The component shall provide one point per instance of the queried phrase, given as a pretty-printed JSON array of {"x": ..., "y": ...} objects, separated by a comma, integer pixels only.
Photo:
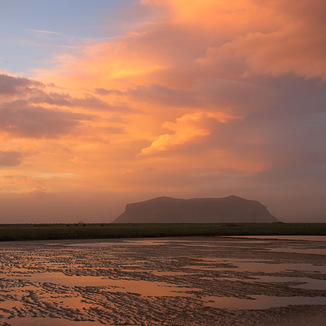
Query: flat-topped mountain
[{"x": 230, "y": 209}]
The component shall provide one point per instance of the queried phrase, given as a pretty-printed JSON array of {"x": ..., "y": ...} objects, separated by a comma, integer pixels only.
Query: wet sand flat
[{"x": 164, "y": 281}]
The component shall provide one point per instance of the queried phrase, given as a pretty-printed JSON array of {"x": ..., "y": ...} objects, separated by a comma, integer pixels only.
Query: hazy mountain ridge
[{"x": 230, "y": 209}]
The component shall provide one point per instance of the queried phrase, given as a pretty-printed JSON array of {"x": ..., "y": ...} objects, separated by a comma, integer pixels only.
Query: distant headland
[{"x": 231, "y": 209}]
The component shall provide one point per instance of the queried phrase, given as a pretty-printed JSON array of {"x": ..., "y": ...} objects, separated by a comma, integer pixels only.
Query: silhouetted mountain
[{"x": 231, "y": 209}]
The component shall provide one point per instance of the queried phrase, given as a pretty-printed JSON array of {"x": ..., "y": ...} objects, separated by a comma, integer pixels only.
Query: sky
[{"x": 107, "y": 102}]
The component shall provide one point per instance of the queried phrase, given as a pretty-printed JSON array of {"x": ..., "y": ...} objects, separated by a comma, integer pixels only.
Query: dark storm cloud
[
  {"x": 34, "y": 92},
  {"x": 167, "y": 96},
  {"x": 59, "y": 99},
  {"x": 15, "y": 85},
  {"x": 62, "y": 99},
  {"x": 10, "y": 158},
  {"x": 93, "y": 103},
  {"x": 21, "y": 119},
  {"x": 105, "y": 92}
]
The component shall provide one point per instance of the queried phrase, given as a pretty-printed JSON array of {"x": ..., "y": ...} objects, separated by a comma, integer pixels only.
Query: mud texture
[{"x": 175, "y": 281}]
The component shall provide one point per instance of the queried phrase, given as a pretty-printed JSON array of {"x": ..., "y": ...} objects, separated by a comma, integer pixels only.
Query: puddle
[
  {"x": 157, "y": 281},
  {"x": 255, "y": 267},
  {"x": 273, "y": 268},
  {"x": 207, "y": 268},
  {"x": 10, "y": 304},
  {"x": 49, "y": 322},
  {"x": 108, "y": 243},
  {"x": 307, "y": 283},
  {"x": 321, "y": 251},
  {"x": 169, "y": 273},
  {"x": 285, "y": 237},
  {"x": 261, "y": 302},
  {"x": 145, "y": 288}
]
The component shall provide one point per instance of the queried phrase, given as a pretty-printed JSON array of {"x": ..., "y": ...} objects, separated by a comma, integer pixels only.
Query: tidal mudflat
[{"x": 164, "y": 281}]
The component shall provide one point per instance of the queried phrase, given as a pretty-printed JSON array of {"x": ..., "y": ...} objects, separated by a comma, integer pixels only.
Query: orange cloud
[
  {"x": 273, "y": 37},
  {"x": 187, "y": 129},
  {"x": 214, "y": 95},
  {"x": 177, "y": 75}
]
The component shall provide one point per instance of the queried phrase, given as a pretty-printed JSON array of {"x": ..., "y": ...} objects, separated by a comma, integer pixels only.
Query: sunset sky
[{"x": 107, "y": 102}]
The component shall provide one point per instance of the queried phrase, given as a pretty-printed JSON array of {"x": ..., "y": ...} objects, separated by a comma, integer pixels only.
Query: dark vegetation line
[{"x": 21, "y": 232}]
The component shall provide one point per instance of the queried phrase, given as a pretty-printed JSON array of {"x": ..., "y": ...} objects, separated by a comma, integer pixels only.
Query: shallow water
[
  {"x": 261, "y": 302},
  {"x": 321, "y": 238},
  {"x": 46, "y": 321},
  {"x": 145, "y": 288},
  {"x": 170, "y": 281},
  {"x": 303, "y": 282}
]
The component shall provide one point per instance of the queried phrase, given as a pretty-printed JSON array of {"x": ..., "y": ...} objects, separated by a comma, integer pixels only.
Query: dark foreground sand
[{"x": 176, "y": 281}]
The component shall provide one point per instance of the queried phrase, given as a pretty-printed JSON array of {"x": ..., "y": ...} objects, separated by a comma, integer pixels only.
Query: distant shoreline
[{"x": 25, "y": 232}]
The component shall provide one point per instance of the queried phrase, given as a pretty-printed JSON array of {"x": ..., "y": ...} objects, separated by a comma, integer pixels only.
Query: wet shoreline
[{"x": 163, "y": 281}]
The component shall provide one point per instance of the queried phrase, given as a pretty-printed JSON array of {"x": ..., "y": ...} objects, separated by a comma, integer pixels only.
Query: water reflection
[
  {"x": 303, "y": 282},
  {"x": 261, "y": 302},
  {"x": 145, "y": 288},
  {"x": 50, "y": 322},
  {"x": 134, "y": 281}
]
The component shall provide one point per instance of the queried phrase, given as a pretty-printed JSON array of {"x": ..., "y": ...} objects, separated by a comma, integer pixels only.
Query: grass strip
[{"x": 22, "y": 232}]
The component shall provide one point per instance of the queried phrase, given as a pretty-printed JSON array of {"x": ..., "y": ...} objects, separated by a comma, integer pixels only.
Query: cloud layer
[
  {"x": 10, "y": 158},
  {"x": 211, "y": 98}
]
